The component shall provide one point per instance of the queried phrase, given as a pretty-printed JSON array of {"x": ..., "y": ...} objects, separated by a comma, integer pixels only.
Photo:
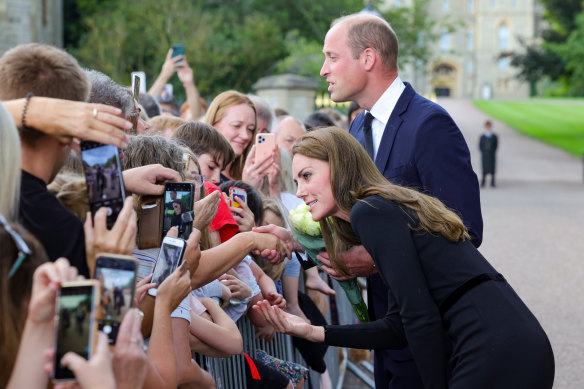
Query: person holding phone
[
  {"x": 448, "y": 296},
  {"x": 177, "y": 62},
  {"x": 234, "y": 115}
]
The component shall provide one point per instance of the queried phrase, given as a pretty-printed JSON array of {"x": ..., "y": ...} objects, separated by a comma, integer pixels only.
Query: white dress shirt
[{"x": 382, "y": 110}]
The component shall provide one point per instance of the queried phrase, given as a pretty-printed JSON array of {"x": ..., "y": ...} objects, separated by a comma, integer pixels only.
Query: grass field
[{"x": 559, "y": 122}]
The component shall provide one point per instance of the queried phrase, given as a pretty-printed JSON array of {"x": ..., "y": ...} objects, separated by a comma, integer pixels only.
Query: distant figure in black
[{"x": 488, "y": 146}]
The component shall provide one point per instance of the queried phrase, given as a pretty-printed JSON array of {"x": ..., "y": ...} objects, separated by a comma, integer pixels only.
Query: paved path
[{"x": 534, "y": 233}]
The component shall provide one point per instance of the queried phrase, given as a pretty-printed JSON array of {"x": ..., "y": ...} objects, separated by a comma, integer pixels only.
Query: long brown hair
[
  {"x": 14, "y": 294},
  {"x": 353, "y": 176},
  {"x": 217, "y": 111}
]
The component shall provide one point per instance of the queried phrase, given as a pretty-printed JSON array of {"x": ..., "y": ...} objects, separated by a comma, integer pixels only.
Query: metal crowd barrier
[{"x": 229, "y": 373}]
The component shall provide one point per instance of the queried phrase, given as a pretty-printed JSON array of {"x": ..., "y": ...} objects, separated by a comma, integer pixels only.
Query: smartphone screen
[
  {"x": 117, "y": 278},
  {"x": 75, "y": 330},
  {"x": 178, "y": 208},
  {"x": 170, "y": 256},
  {"x": 103, "y": 176}
]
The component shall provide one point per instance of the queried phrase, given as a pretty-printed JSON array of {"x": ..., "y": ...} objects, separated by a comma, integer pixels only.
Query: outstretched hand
[{"x": 286, "y": 323}]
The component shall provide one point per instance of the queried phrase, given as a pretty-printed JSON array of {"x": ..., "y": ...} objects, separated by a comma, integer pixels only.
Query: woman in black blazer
[{"x": 465, "y": 325}]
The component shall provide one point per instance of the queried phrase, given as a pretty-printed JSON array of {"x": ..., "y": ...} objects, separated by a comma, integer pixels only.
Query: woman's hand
[
  {"x": 206, "y": 210},
  {"x": 66, "y": 120},
  {"x": 129, "y": 361},
  {"x": 244, "y": 217},
  {"x": 239, "y": 289},
  {"x": 121, "y": 239},
  {"x": 142, "y": 288},
  {"x": 47, "y": 280},
  {"x": 175, "y": 287},
  {"x": 97, "y": 372},
  {"x": 289, "y": 324},
  {"x": 255, "y": 171}
]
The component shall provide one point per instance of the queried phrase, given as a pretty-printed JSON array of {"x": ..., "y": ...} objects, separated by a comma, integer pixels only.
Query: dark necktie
[{"x": 367, "y": 134}]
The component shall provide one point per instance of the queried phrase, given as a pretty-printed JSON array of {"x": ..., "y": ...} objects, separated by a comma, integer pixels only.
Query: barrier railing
[{"x": 229, "y": 373}]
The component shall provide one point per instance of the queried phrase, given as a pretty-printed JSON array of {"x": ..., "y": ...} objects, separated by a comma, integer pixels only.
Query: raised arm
[{"x": 65, "y": 120}]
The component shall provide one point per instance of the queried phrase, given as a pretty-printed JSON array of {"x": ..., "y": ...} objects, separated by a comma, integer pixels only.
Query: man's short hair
[
  {"x": 150, "y": 105},
  {"x": 44, "y": 71},
  {"x": 369, "y": 31},
  {"x": 106, "y": 91},
  {"x": 280, "y": 119},
  {"x": 318, "y": 119},
  {"x": 264, "y": 111}
]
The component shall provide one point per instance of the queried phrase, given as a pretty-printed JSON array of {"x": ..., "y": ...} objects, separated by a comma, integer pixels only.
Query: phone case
[
  {"x": 236, "y": 193},
  {"x": 265, "y": 144},
  {"x": 150, "y": 222}
]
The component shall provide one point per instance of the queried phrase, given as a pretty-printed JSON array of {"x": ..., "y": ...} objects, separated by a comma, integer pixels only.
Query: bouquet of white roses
[{"x": 307, "y": 232}]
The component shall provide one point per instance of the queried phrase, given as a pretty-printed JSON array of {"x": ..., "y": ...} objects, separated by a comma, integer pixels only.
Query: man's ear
[{"x": 369, "y": 58}]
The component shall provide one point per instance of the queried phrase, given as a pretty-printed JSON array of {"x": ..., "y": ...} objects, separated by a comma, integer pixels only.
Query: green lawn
[{"x": 559, "y": 122}]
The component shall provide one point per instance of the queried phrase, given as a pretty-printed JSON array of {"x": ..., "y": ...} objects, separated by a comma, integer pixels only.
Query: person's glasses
[{"x": 23, "y": 249}]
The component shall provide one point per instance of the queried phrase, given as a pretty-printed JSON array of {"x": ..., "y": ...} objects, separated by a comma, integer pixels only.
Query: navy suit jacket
[{"x": 423, "y": 149}]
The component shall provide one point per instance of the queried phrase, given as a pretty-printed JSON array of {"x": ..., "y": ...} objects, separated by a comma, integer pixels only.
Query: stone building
[
  {"x": 466, "y": 62},
  {"x": 25, "y": 21}
]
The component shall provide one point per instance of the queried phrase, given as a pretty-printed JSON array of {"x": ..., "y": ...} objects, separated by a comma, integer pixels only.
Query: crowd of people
[{"x": 391, "y": 186}]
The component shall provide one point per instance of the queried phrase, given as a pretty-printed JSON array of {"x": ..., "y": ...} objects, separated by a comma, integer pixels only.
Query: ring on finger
[
  {"x": 136, "y": 340},
  {"x": 95, "y": 112}
]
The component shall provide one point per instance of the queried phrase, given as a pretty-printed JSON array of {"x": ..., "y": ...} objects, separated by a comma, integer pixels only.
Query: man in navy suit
[{"x": 414, "y": 143}]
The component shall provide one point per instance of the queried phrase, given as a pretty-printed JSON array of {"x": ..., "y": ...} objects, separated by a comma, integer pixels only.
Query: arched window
[
  {"x": 445, "y": 43},
  {"x": 470, "y": 5},
  {"x": 503, "y": 37},
  {"x": 470, "y": 39},
  {"x": 444, "y": 69},
  {"x": 444, "y": 5}
]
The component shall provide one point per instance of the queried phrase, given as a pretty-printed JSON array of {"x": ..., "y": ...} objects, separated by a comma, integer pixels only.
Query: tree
[
  {"x": 226, "y": 50},
  {"x": 412, "y": 25},
  {"x": 572, "y": 53}
]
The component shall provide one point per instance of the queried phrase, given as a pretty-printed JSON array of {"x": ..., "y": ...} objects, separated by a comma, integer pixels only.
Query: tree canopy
[{"x": 230, "y": 44}]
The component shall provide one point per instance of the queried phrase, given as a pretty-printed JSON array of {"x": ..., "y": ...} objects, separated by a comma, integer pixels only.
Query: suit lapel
[{"x": 393, "y": 125}]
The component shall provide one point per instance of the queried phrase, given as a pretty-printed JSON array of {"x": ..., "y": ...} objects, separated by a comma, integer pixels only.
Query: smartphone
[
  {"x": 177, "y": 50},
  {"x": 117, "y": 279},
  {"x": 237, "y": 196},
  {"x": 178, "y": 208},
  {"x": 136, "y": 87},
  {"x": 103, "y": 177},
  {"x": 265, "y": 144},
  {"x": 169, "y": 258},
  {"x": 142, "y": 76},
  {"x": 75, "y": 324}
]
